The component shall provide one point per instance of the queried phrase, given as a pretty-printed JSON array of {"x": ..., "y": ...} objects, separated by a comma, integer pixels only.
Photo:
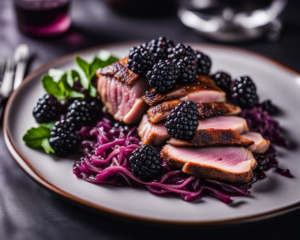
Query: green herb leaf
[
  {"x": 106, "y": 57},
  {"x": 49, "y": 125},
  {"x": 34, "y": 136},
  {"x": 45, "y": 144},
  {"x": 94, "y": 66},
  {"x": 83, "y": 65},
  {"x": 56, "y": 74},
  {"x": 74, "y": 94},
  {"x": 52, "y": 88},
  {"x": 69, "y": 92},
  {"x": 72, "y": 76},
  {"x": 39, "y": 137},
  {"x": 85, "y": 82},
  {"x": 93, "y": 91}
]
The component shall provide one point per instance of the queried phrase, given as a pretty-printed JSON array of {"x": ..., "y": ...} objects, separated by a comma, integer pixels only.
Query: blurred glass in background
[
  {"x": 233, "y": 20},
  {"x": 43, "y": 17}
]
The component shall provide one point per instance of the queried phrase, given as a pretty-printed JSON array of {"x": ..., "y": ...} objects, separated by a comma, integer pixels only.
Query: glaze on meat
[
  {"x": 213, "y": 138},
  {"x": 206, "y": 110},
  {"x": 202, "y": 90}
]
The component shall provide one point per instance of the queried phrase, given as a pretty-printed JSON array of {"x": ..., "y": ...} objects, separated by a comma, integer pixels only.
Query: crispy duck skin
[
  {"x": 121, "y": 90},
  {"x": 203, "y": 89},
  {"x": 230, "y": 164},
  {"x": 213, "y": 138},
  {"x": 119, "y": 71},
  {"x": 206, "y": 109}
]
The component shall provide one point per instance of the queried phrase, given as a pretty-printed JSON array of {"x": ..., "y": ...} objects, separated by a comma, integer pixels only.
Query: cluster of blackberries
[
  {"x": 222, "y": 80},
  {"x": 80, "y": 113},
  {"x": 163, "y": 76},
  {"x": 140, "y": 60},
  {"x": 47, "y": 109},
  {"x": 181, "y": 63},
  {"x": 144, "y": 163},
  {"x": 182, "y": 122},
  {"x": 243, "y": 92},
  {"x": 63, "y": 138}
]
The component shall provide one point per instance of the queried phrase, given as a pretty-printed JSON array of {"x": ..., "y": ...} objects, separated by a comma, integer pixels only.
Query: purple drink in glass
[{"x": 43, "y": 17}]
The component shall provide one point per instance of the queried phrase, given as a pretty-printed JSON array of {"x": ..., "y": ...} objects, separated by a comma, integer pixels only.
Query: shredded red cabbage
[{"x": 108, "y": 146}]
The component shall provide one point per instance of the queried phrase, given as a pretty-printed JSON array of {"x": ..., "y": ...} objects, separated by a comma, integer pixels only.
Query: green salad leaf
[
  {"x": 87, "y": 70},
  {"x": 39, "y": 137},
  {"x": 52, "y": 87},
  {"x": 59, "y": 83}
]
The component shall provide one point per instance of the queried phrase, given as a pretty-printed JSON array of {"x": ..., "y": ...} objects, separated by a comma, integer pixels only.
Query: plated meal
[{"x": 158, "y": 119}]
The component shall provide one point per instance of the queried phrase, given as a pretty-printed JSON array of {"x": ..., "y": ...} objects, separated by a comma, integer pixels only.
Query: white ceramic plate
[{"x": 270, "y": 197}]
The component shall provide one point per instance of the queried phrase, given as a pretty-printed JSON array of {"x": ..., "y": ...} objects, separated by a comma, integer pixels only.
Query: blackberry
[
  {"x": 163, "y": 76},
  {"x": 222, "y": 80},
  {"x": 243, "y": 92},
  {"x": 185, "y": 58},
  {"x": 140, "y": 60},
  {"x": 203, "y": 63},
  {"x": 269, "y": 107},
  {"x": 142, "y": 46},
  {"x": 187, "y": 73},
  {"x": 182, "y": 123},
  {"x": 63, "y": 138},
  {"x": 80, "y": 113},
  {"x": 47, "y": 109},
  {"x": 159, "y": 47},
  {"x": 144, "y": 163},
  {"x": 184, "y": 52}
]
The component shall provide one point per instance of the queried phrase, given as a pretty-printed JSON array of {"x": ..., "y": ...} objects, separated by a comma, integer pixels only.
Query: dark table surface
[{"x": 27, "y": 211}]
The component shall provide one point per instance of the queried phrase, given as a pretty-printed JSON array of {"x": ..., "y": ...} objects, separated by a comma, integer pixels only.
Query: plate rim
[{"x": 25, "y": 166}]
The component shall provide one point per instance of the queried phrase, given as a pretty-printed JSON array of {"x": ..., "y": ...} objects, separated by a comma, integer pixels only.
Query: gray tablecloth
[{"x": 27, "y": 211}]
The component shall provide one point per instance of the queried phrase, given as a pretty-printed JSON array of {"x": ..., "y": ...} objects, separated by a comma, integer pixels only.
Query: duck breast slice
[
  {"x": 213, "y": 138},
  {"x": 121, "y": 90},
  {"x": 230, "y": 164},
  {"x": 206, "y": 110},
  {"x": 152, "y": 134},
  {"x": 234, "y": 123},
  {"x": 203, "y": 89},
  {"x": 260, "y": 145},
  {"x": 156, "y": 133}
]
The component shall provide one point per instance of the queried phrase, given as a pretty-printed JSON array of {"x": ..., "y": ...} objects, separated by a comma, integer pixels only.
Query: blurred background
[
  {"x": 271, "y": 27},
  {"x": 53, "y": 28}
]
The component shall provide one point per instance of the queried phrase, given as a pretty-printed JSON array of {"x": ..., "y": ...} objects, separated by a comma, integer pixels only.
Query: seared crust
[
  {"x": 213, "y": 138},
  {"x": 161, "y": 111},
  {"x": 202, "y": 82},
  {"x": 214, "y": 109},
  {"x": 119, "y": 71},
  {"x": 206, "y": 109},
  {"x": 217, "y": 174}
]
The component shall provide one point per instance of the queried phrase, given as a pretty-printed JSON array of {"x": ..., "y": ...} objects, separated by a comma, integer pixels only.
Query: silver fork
[
  {"x": 2, "y": 67},
  {"x": 20, "y": 58},
  {"x": 7, "y": 82}
]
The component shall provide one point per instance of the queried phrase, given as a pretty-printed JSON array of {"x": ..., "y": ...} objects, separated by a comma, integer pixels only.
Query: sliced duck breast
[
  {"x": 230, "y": 164},
  {"x": 234, "y": 123},
  {"x": 213, "y": 138},
  {"x": 260, "y": 145},
  {"x": 158, "y": 130},
  {"x": 206, "y": 110},
  {"x": 152, "y": 134},
  {"x": 121, "y": 90},
  {"x": 203, "y": 89}
]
